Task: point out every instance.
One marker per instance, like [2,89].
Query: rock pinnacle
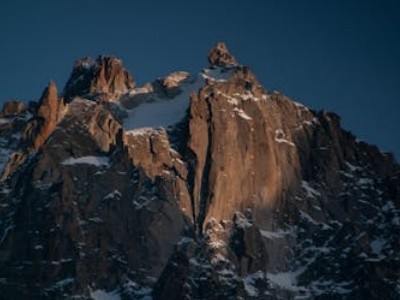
[220,56]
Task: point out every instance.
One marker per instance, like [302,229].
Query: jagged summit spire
[104,77]
[220,56]
[50,92]
[50,111]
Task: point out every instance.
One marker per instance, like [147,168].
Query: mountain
[202,186]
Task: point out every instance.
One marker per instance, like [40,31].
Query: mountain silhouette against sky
[341,57]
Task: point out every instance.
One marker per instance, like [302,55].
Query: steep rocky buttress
[190,187]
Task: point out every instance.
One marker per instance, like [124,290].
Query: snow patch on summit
[162,112]
[217,74]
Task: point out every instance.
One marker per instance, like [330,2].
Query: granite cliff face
[191,187]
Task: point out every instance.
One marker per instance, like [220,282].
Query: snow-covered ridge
[217,74]
[164,112]
[161,112]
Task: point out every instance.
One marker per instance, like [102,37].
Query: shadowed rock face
[251,195]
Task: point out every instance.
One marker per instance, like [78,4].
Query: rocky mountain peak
[221,57]
[104,78]
[29,131]
[195,187]
[12,108]
[50,110]
[49,101]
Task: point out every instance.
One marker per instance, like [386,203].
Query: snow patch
[352,167]
[309,190]
[389,206]
[87,160]
[345,174]
[284,280]
[241,221]
[61,283]
[144,201]
[280,137]
[96,220]
[365,181]
[140,131]
[378,245]
[242,114]
[233,101]
[162,112]
[114,194]
[396,221]
[285,141]
[102,295]
[279,234]
[5,121]
[299,105]
[217,74]
[320,287]
[5,233]
[249,283]
[306,216]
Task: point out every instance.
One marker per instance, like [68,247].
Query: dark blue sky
[342,56]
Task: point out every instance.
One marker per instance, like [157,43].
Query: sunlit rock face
[202,186]
[104,78]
